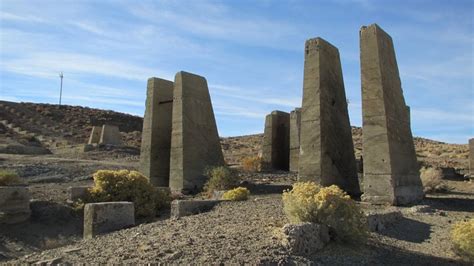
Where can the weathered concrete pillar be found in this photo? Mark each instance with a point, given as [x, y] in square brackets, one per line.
[156, 135]
[326, 148]
[471, 158]
[391, 172]
[95, 135]
[276, 141]
[110, 134]
[295, 127]
[195, 141]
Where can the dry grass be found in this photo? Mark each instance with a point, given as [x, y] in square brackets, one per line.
[432, 179]
[9, 178]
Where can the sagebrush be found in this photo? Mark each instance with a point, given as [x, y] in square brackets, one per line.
[221, 178]
[125, 185]
[252, 164]
[432, 180]
[236, 194]
[331, 206]
[9, 178]
[462, 236]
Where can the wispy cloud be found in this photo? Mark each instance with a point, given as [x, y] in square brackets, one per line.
[47, 65]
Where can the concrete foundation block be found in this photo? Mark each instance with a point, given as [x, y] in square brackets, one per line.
[379, 220]
[14, 204]
[106, 217]
[305, 238]
[181, 208]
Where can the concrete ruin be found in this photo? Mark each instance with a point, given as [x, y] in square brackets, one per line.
[295, 127]
[110, 134]
[95, 135]
[105, 217]
[195, 142]
[14, 204]
[276, 141]
[471, 158]
[326, 147]
[391, 171]
[156, 134]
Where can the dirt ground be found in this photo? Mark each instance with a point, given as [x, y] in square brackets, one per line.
[233, 232]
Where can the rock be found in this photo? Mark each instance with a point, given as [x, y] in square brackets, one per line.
[107, 216]
[14, 204]
[305, 238]
[181, 208]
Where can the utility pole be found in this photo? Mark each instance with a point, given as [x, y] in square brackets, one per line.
[61, 88]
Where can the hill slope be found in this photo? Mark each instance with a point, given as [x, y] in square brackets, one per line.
[50, 126]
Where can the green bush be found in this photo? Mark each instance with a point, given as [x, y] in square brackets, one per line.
[236, 194]
[220, 178]
[125, 185]
[309, 202]
[462, 236]
[9, 178]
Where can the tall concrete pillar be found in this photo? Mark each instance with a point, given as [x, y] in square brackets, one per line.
[295, 126]
[391, 172]
[276, 141]
[110, 134]
[95, 135]
[326, 147]
[471, 158]
[156, 134]
[195, 141]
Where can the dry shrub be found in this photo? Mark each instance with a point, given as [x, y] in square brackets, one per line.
[252, 164]
[125, 185]
[432, 179]
[236, 194]
[220, 178]
[9, 178]
[331, 206]
[462, 236]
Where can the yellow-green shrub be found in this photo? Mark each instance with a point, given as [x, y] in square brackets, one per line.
[252, 164]
[9, 178]
[220, 178]
[236, 194]
[309, 202]
[125, 185]
[462, 236]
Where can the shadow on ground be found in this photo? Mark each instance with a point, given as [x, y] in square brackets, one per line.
[371, 254]
[451, 203]
[262, 189]
[51, 225]
[409, 230]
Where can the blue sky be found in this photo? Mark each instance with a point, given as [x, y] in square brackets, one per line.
[251, 53]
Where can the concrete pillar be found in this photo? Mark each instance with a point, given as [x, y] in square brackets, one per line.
[326, 147]
[295, 127]
[471, 158]
[391, 172]
[95, 135]
[276, 141]
[156, 135]
[110, 134]
[195, 142]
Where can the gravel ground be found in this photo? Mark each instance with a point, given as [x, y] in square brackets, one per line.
[233, 232]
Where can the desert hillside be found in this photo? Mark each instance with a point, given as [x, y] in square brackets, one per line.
[36, 128]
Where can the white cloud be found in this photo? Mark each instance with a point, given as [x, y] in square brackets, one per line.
[47, 65]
